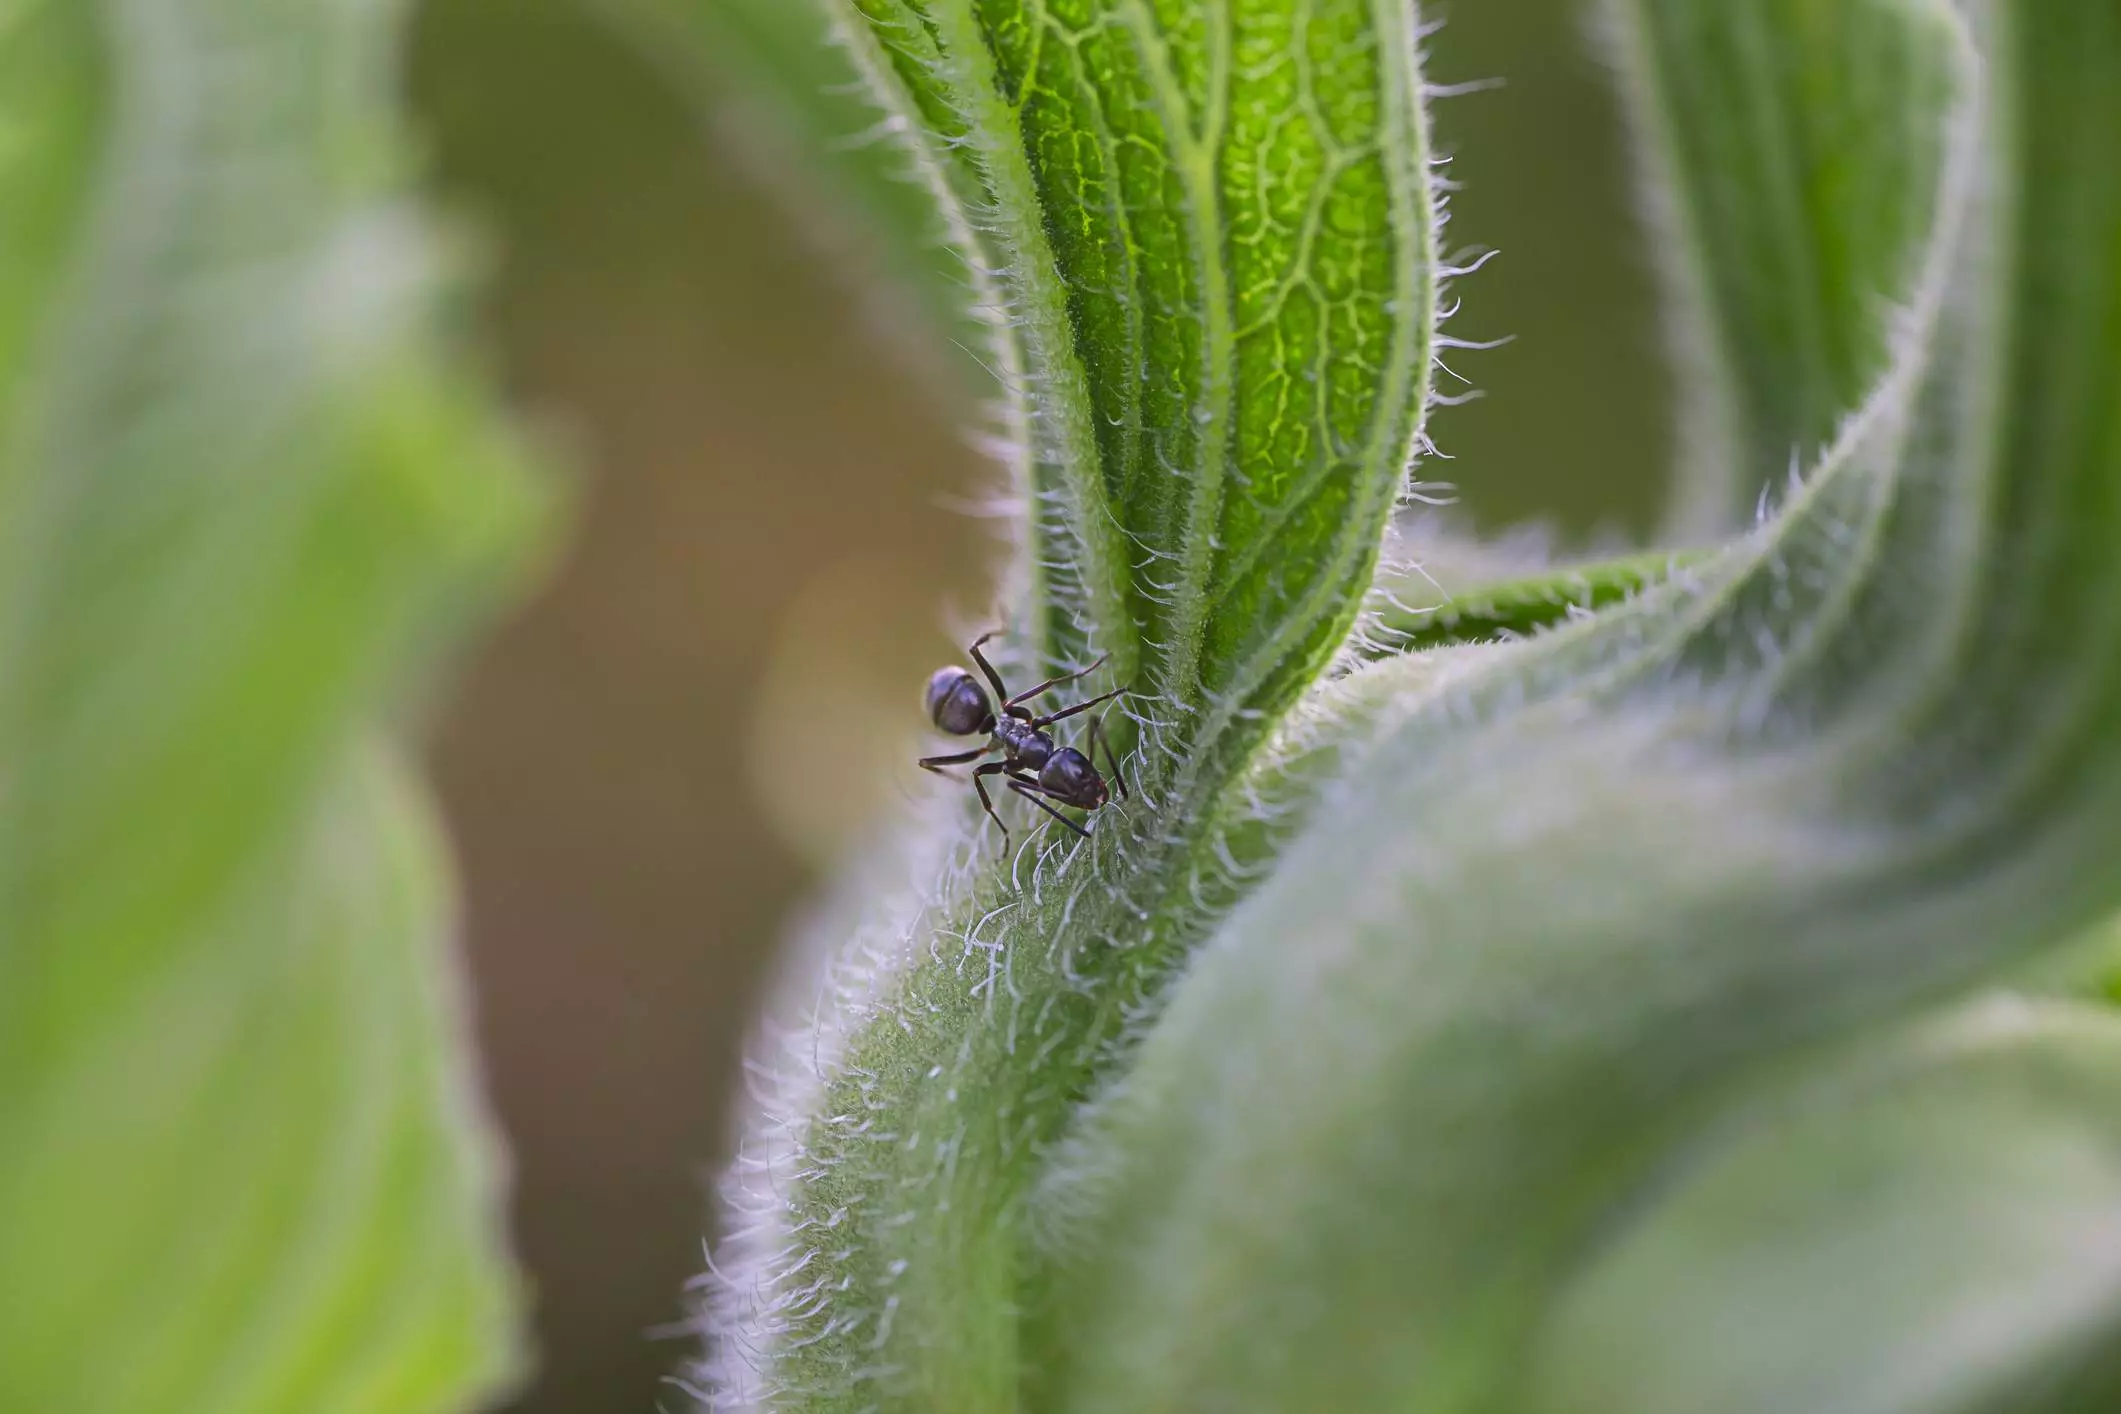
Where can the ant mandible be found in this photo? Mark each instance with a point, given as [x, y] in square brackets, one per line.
[1034, 767]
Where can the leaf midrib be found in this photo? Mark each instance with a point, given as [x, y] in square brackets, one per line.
[1063, 384]
[1198, 162]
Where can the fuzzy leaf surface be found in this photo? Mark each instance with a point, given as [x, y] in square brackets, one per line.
[1930, 1227]
[1560, 917]
[1789, 160]
[1207, 231]
[1210, 232]
[1420, 614]
[242, 500]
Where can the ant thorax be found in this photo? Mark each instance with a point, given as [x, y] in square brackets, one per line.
[1025, 745]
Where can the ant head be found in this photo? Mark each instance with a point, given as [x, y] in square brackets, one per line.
[957, 704]
[1069, 775]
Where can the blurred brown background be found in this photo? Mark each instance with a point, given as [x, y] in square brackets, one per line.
[767, 558]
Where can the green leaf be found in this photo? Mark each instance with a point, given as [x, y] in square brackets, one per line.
[1515, 929]
[1419, 613]
[277, 1136]
[1211, 235]
[765, 76]
[2088, 969]
[1789, 164]
[1554, 922]
[243, 503]
[1930, 1226]
[1210, 231]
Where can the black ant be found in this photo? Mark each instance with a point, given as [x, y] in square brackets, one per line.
[1036, 769]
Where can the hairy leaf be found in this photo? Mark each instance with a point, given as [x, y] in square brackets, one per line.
[1209, 233]
[1790, 165]
[1932, 1226]
[240, 500]
[1420, 613]
[1516, 927]
[1556, 920]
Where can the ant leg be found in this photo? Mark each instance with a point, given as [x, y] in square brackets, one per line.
[1031, 794]
[1051, 683]
[1066, 712]
[992, 768]
[1027, 786]
[1097, 739]
[935, 763]
[994, 679]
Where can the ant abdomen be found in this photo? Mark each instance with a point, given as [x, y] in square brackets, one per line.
[1072, 780]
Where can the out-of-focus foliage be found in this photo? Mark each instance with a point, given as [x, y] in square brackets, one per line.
[1981, 1284]
[772, 83]
[1791, 158]
[244, 500]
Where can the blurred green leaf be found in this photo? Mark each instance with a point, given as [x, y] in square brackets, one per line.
[1790, 165]
[243, 503]
[769, 78]
[1932, 1225]
[2089, 969]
